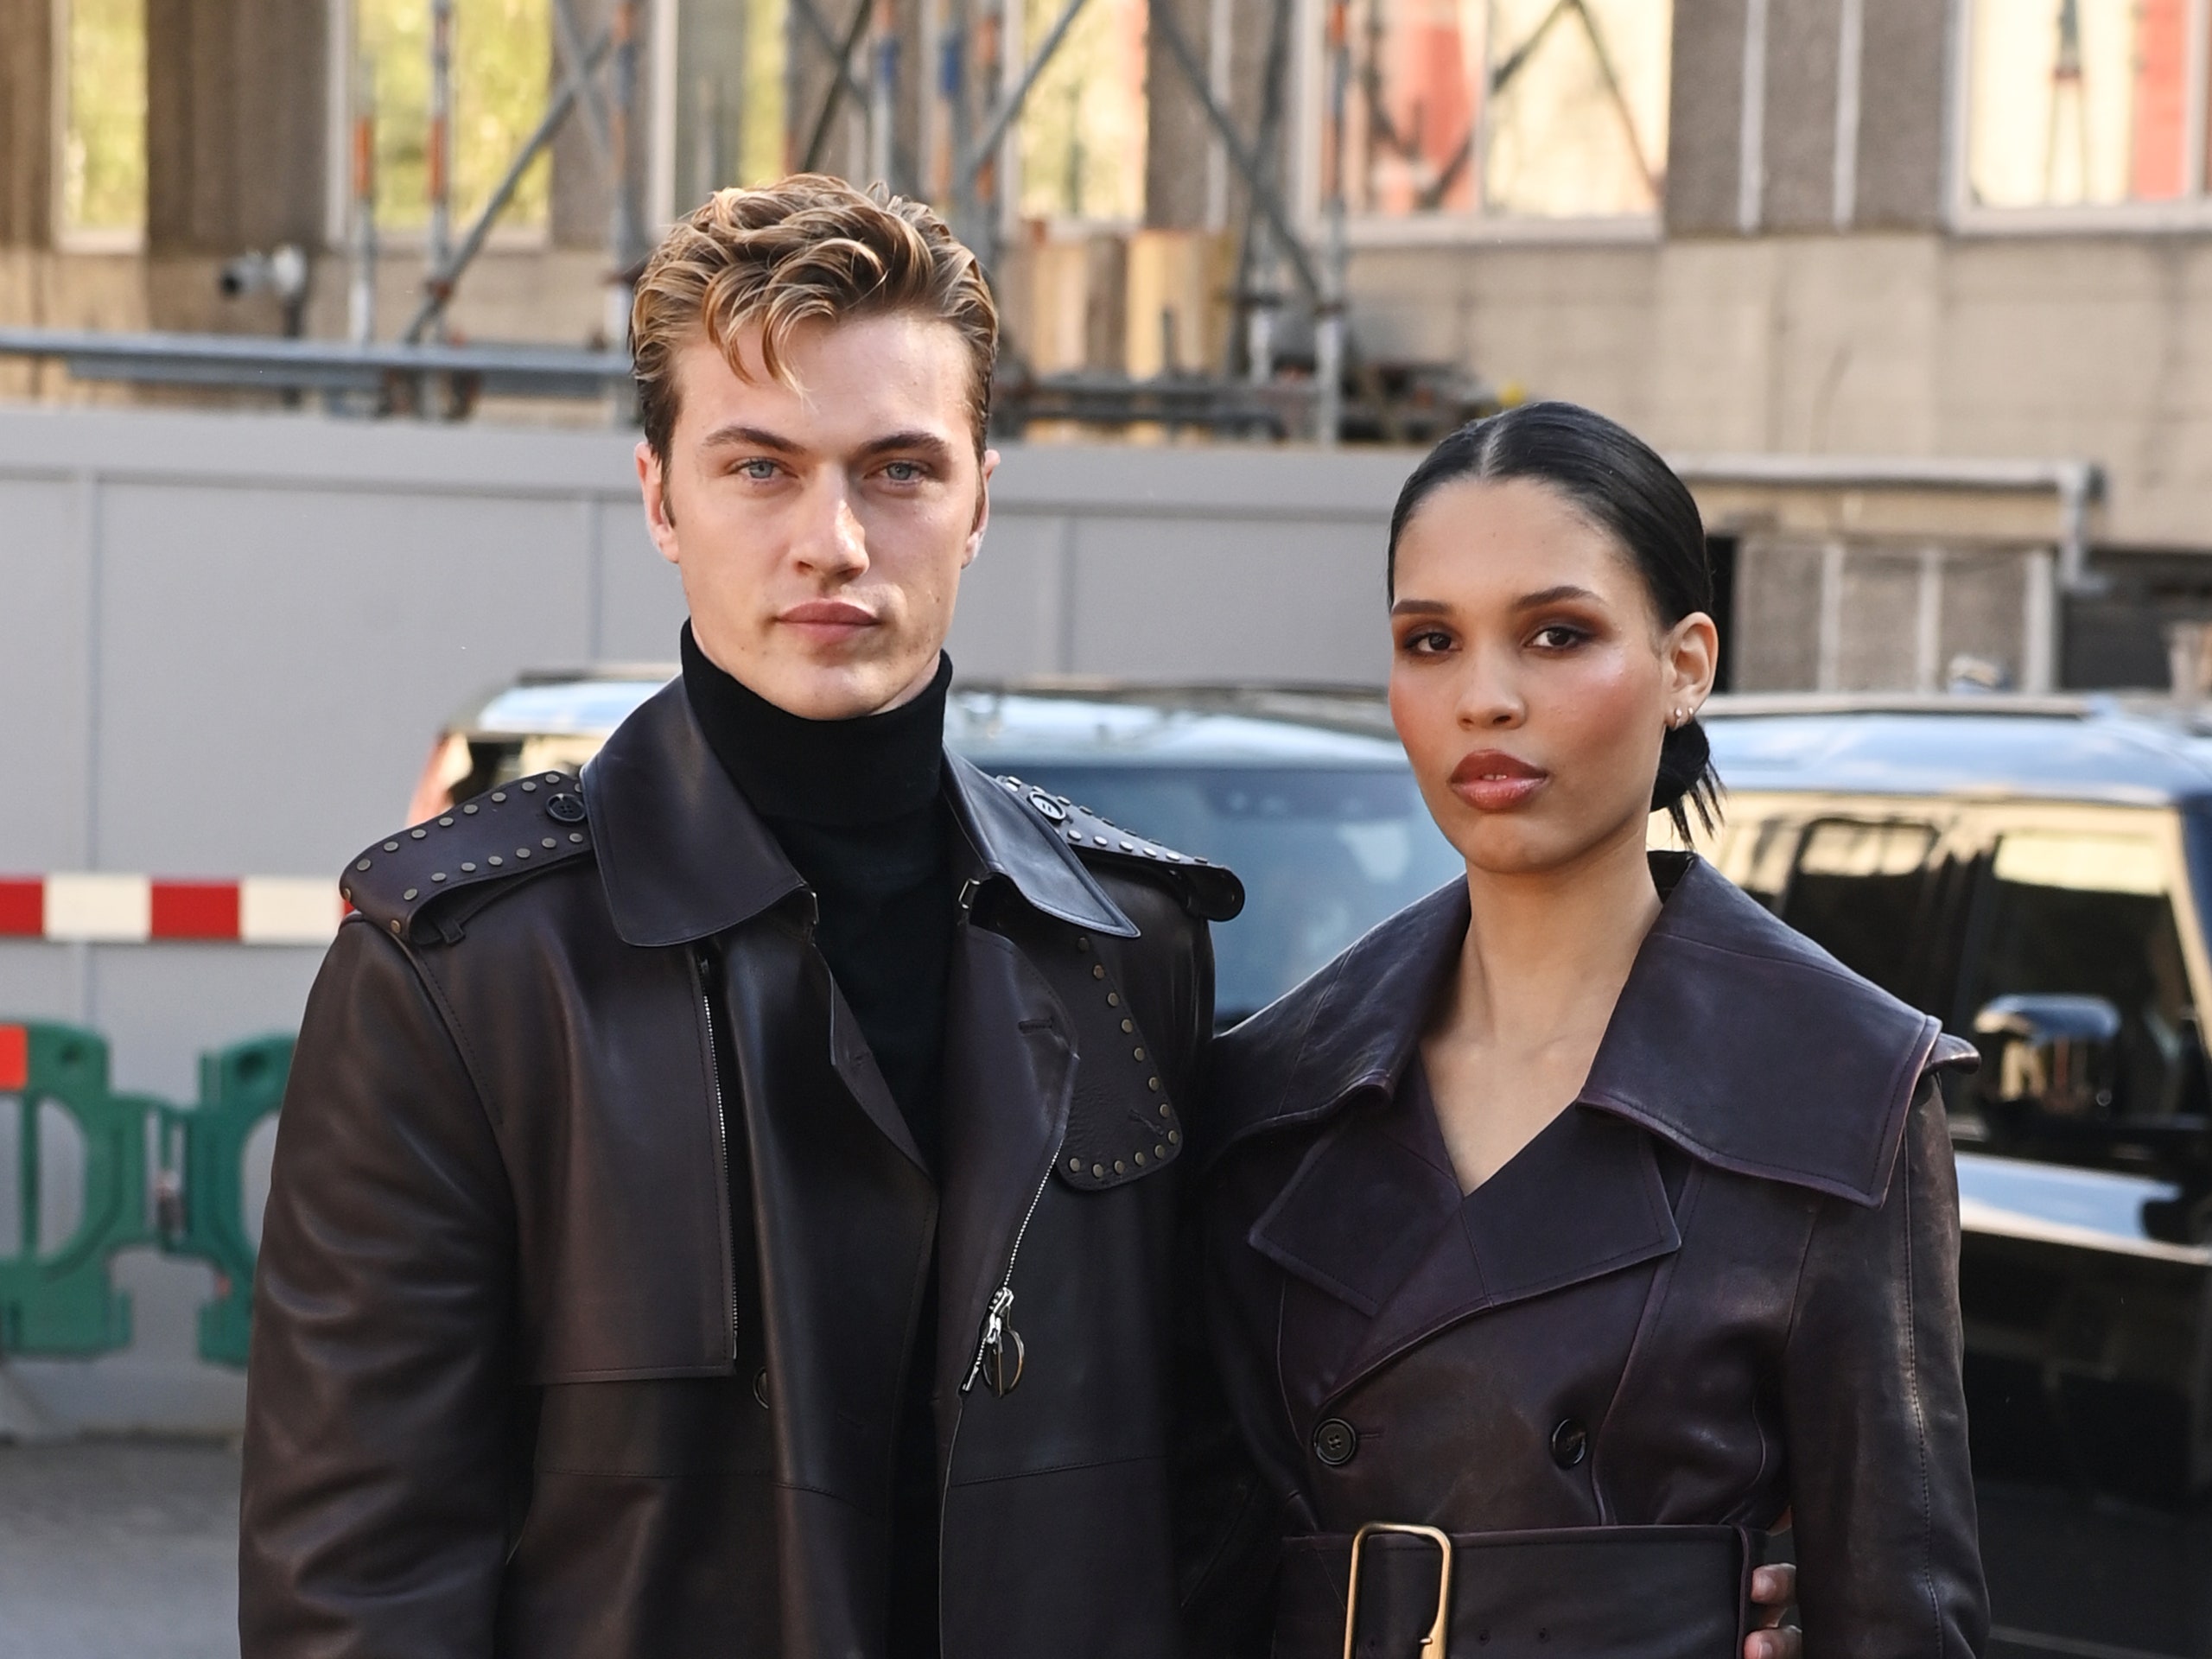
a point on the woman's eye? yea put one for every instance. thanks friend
(1559, 636)
(1427, 643)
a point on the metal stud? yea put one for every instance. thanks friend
(498, 794)
(391, 846)
(1083, 942)
(346, 893)
(1128, 846)
(1165, 1111)
(362, 865)
(395, 924)
(1098, 970)
(1139, 1158)
(1128, 1025)
(1152, 1083)
(1121, 1168)
(1113, 999)
(521, 852)
(437, 875)
(468, 869)
(552, 777)
(471, 808)
(418, 834)
(1159, 1152)
(495, 861)
(409, 894)
(1101, 839)
(445, 823)
(528, 787)
(576, 836)
(1172, 1138)
(1139, 1053)
(1076, 1164)
(549, 843)
(1076, 835)
(1099, 1170)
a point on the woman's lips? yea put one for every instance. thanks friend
(1490, 780)
(827, 620)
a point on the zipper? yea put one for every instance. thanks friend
(721, 1143)
(995, 1322)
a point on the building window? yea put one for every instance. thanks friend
(102, 193)
(502, 58)
(1501, 108)
(2084, 102)
(1083, 129)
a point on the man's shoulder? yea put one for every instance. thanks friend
(1126, 862)
(461, 858)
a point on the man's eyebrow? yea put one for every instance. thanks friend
(924, 442)
(757, 437)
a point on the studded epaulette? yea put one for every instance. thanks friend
(1209, 892)
(507, 832)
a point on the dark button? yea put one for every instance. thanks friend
(1570, 1442)
(570, 809)
(1335, 1442)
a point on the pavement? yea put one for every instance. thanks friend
(118, 1549)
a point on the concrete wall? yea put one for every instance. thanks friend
(226, 642)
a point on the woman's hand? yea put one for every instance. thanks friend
(1773, 1588)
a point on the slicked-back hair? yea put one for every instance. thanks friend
(806, 249)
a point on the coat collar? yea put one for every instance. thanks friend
(683, 856)
(1735, 1037)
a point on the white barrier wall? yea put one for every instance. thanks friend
(227, 642)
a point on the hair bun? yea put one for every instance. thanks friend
(1687, 782)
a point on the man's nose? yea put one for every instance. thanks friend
(833, 543)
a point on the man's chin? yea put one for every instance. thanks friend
(847, 692)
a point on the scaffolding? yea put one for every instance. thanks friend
(977, 96)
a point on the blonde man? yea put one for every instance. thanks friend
(724, 1202)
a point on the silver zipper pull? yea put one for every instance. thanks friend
(1000, 1355)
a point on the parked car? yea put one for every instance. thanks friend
(2034, 872)
(1303, 792)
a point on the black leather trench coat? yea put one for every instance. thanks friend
(596, 1241)
(1719, 1287)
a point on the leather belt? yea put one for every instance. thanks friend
(1582, 1592)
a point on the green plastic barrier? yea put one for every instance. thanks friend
(63, 1302)
(203, 1188)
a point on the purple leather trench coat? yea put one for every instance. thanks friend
(1718, 1290)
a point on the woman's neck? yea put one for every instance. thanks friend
(1546, 954)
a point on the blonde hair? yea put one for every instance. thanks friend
(806, 249)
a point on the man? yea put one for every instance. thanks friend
(726, 1203)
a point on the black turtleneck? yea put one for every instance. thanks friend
(857, 805)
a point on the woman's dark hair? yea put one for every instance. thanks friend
(1618, 482)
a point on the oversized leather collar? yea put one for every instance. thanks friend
(683, 856)
(1736, 1038)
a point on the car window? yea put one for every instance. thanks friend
(1324, 853)
(2092, 914)
(1857, 890)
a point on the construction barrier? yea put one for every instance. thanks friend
(153, 1174)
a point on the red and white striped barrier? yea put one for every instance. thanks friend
(104, 909)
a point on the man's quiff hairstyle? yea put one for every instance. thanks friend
(806, 249)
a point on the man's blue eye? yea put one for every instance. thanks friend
(762, 471)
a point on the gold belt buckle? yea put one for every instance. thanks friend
(1433, 1644)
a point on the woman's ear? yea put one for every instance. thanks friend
(1692, 650)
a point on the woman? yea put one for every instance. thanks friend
(1582, 1221)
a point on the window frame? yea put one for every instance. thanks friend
(2192, 212)
(1309, 72)
(505, 237)
(67, 238)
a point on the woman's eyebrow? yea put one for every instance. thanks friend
(1551, 596)
(1419, 607)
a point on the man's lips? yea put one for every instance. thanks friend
(1490, 780)
(828, 618)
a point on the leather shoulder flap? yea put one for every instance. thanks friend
(410, 882)
(1208, 890)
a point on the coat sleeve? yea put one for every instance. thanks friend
(1889, 1561)
(379, 1389)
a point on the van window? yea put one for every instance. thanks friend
(2091, 914)
(1857, 890)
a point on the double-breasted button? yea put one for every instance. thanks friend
(1335, 1442)
(1570, 1442)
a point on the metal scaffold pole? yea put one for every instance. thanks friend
(438, 158)
(361, 287)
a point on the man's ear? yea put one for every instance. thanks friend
(652, 484)
(983, 520)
